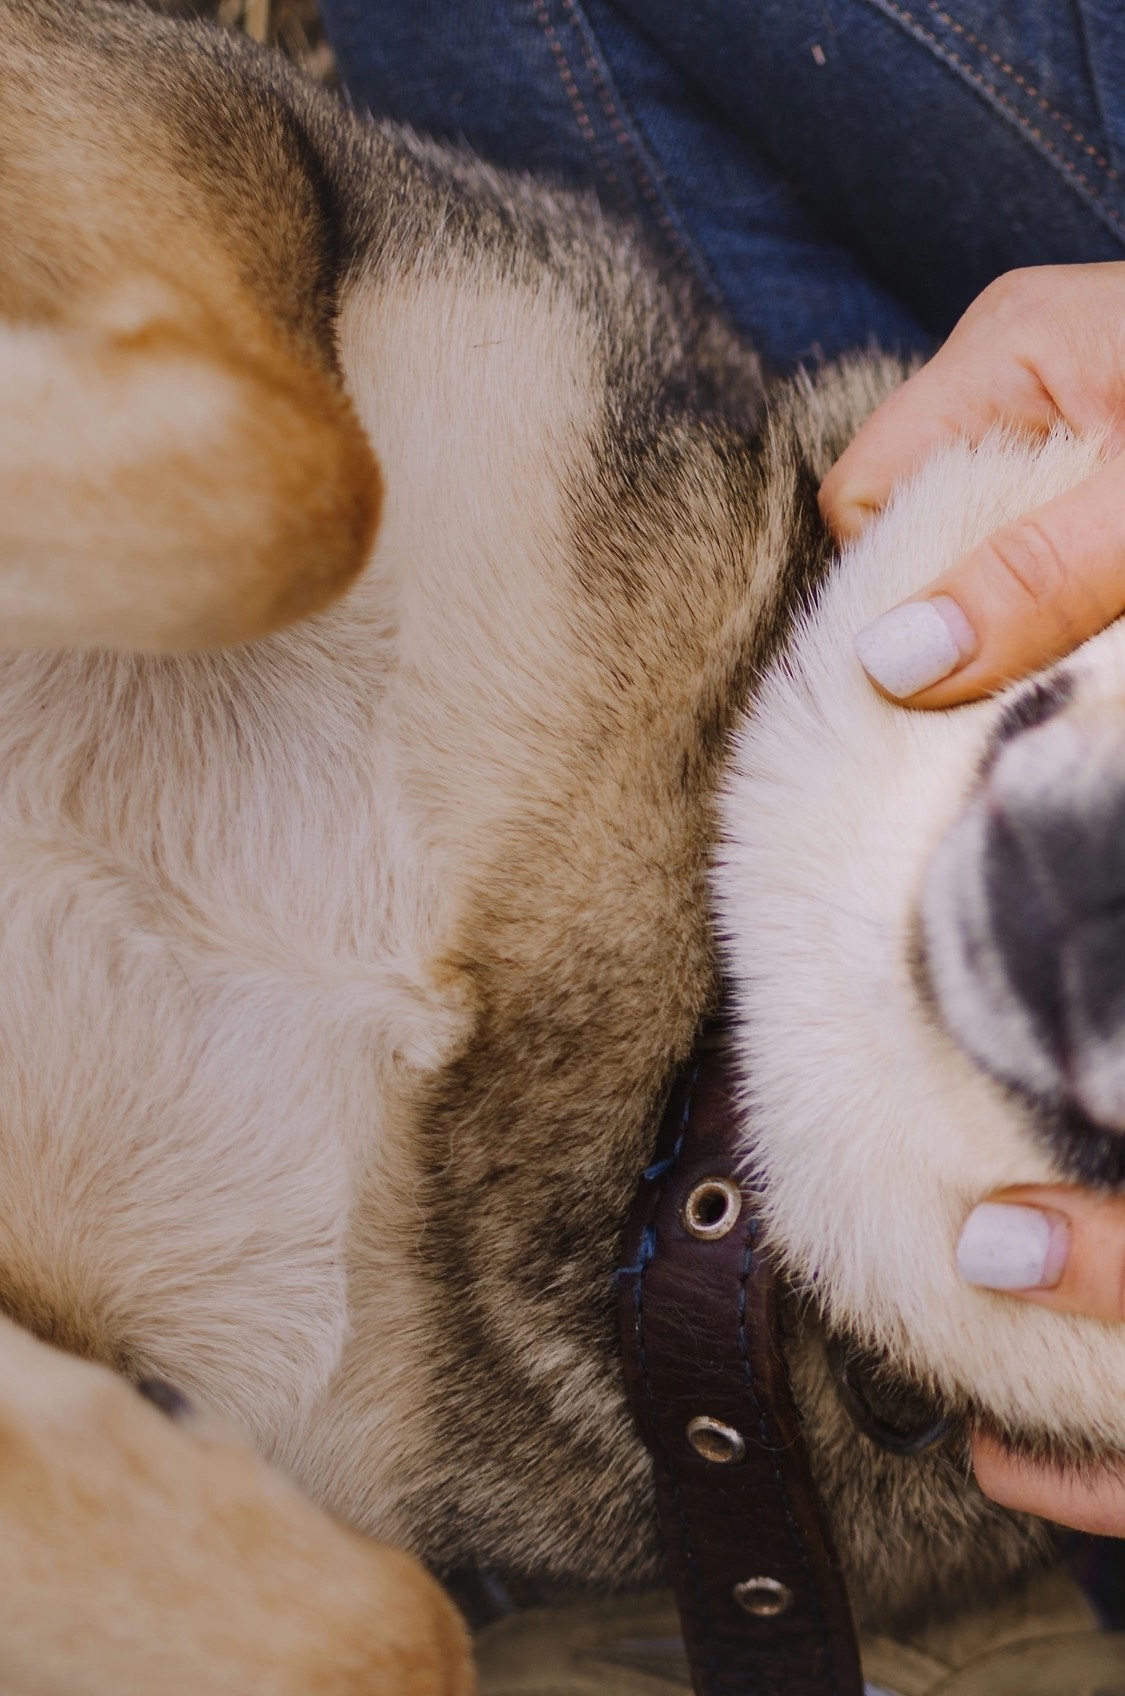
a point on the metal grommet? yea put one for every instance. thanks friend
(715, 1441)
(712, 1208)
(765, 1598)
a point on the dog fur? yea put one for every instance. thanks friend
(343, 971)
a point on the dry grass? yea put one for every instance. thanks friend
(292, 25)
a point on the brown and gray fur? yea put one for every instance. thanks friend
(178, 209)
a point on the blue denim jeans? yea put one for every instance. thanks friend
(837, 171)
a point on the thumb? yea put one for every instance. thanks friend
(1030, 593)
(1089, 1500)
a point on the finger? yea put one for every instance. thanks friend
(1037, 345)
(1030, 593)
(1061, 1248)
(1092, 1502)
(955, 395)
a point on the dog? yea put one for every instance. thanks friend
(345, 967)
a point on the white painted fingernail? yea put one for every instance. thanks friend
(1005, 1247)
(915, 645)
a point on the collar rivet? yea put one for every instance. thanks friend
(712, 1209)
(714, 1441)
(765, 1598)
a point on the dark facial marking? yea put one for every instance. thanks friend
(170, 1401)
(892, 1412)
(1031, 708)
(1088, 1153)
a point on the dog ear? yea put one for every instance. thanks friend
(171, 478)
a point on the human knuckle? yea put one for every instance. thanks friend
(1031, 565)
(990, 307)
(1018, 291)
(1111, 351)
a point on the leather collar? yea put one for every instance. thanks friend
(757, 1581)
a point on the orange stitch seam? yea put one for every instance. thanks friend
(1028, 87)
(1018, 118)
(573, 93)
(648, 189)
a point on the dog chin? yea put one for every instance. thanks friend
(882, 1101)
(906, 1415)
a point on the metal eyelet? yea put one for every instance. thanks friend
(765, 1598)
(712, 1208)
(712, 1440)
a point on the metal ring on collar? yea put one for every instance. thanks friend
(721, 1444)
(712, 1208)
(765, 1598)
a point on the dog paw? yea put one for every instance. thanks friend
(142, 1548)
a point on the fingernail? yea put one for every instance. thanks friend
(915, 645)
(1004, 1247)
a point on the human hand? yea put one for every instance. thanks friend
(1037, 346)
(1063, 1249)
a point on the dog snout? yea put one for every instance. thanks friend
(1055, 895)
(1023, 921)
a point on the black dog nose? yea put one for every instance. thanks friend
(1055, 889)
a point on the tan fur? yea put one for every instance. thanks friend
(137, 1557)
(343, 973)
(178, 465)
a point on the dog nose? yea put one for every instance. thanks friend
(1022, 933)
(1055, 894)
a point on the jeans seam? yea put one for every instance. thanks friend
(1027, 88)
(574, 94)
(648, 190)
(971, 75)
(640, 173)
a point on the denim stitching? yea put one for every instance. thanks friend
(957, 62)
(643, 178)
(1028, 88)
(779, 1477)
(566, 76)
(649, 1244)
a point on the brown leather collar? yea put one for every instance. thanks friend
(758, 1585)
